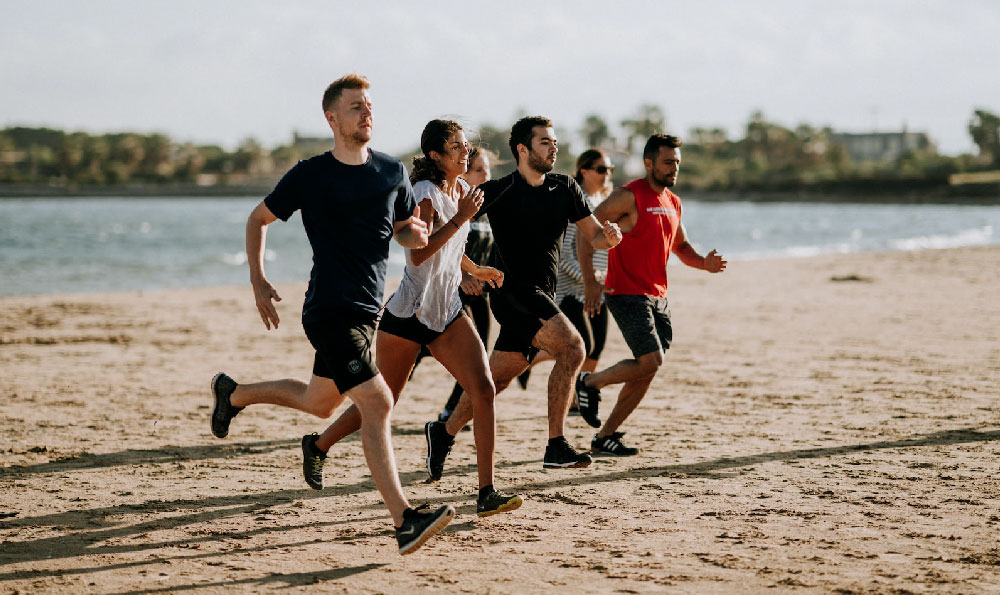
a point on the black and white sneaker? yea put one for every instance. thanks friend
(439, 443)
(588, 400)
(560, 455)
(312, 461)
(612, 445)
(419, 526)
(495, 503)
(223, 412)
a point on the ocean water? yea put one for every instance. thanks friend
(75, 245)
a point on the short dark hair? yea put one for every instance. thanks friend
(433, 138)
(659, 140)
(521, 132)
(348, 81)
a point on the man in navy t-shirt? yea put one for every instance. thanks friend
(353, 200)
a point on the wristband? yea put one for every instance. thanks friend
(457, 226)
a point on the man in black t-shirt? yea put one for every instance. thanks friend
(353, 200)
(529, 211)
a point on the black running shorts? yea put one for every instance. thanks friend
(521, 312)
(412, 329)
(343, 348)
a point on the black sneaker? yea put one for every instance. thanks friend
(419, 526)
(223, 412)
(560, 454)
(588, 400)
(612, 445)
(522, 379)
(495, 503)
(439, 443)
(312, 461)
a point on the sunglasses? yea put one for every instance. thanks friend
(604, 169)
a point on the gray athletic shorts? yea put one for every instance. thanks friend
(644, 321)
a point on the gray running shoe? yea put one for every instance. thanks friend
(419, 526)
(312, 462)
(495, 503)
(612, 445)
(439, 443)
(560, 455)
(223, 412)
(589, 399)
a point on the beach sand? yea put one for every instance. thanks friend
(828, 424)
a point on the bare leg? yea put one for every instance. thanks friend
(558, 337)
(629, 397)
(461, 352)
(589, 365)
(374, 402)
(394, 357)
(627, 370)
(320, 397)
(504, 367)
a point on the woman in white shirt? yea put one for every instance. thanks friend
(426, 309)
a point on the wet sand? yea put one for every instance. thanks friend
(821, 425)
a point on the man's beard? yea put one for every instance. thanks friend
(357, 136)
(665, 181)
(538, 164)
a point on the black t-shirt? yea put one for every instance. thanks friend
(348, 212)
(528, 225)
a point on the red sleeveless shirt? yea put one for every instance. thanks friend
(638, 265)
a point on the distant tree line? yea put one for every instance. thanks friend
(768, 156)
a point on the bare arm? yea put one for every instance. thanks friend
(411, 233)
(263, 291)
(484, 274)
(468, 205)
(712, 262)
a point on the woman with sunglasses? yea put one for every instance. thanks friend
(593, 173)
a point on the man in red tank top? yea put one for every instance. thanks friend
(649, 216)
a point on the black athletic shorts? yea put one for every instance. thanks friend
(343, 348)
(643, 320)
(411, 329)
(521, 313)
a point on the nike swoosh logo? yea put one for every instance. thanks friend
(552, 188)
(410, 532)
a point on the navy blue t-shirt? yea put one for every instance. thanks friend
(528, 225)
(348, 212)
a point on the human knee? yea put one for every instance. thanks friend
(482, 390)
(374, 405)
(650, 363)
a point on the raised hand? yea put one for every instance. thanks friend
(417, 229)
(489, 275)
(469, 203)
(263, 293)
(714, 262)
(592, 292)
(612, 232)
(470, 285)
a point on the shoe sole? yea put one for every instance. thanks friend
(576, 465)
(512, 504)
(427, 461)
(605, 453)
(215, 407)
(428, 532)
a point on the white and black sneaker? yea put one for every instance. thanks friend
(560, 455)
(419, 526)
(612, 445)
(588, 400)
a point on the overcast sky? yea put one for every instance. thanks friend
(217, 72)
